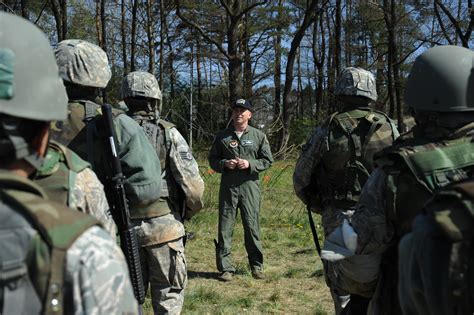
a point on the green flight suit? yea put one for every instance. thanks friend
(240, 189)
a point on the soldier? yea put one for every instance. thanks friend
(336, 162)
(85, 72)
(436, 269)
(162, 237)
(240, 153)
(69, 180)
(436, 152)
(54, 259)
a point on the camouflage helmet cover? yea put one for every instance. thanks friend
(442, 80)
(356, 82)
(83, 63)
(140, 84)
(29, 89)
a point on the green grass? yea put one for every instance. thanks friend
(294, 281)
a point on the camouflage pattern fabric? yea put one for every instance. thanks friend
(162, 253)
(436, 271)
(185, 171)
(390, 200)
(329, 174)
(65, 173)
(97, 277)
(140, 84)
(163, 261)
(66, 131)
(88, 196)
(82, 63)
(357, 82)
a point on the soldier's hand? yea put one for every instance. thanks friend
(230, 164)
(242, 164)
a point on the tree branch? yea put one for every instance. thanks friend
(200, 30)
(452, 19)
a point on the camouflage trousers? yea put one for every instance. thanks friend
(163, 263)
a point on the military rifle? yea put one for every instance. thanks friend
(118, 202)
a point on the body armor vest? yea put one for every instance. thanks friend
(57, 175)
(34, 239)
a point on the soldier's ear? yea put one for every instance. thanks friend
(41, 140)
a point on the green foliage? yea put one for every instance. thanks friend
(300, 129)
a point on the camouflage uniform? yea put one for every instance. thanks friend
(436, 271)
(161, 237)
(67, 179)
(54, 259)
(82, 64)
(335, 163)
(436, 152)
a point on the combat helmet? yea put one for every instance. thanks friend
(356, 82)
(442, 80)
(83, 63)
(140, 84)
(28, 89)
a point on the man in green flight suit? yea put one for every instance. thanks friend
(240, 153)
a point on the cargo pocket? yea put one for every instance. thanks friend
(178, 270)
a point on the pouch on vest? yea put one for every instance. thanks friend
(453, 211)
(34, 238)
(353, 138)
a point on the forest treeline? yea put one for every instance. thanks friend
(282, 55)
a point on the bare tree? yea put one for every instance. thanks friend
(288, 107)
(234, 13)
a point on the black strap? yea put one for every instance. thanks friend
(313, 230)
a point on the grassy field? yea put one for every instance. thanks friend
(294, 281)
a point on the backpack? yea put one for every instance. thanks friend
(35, 235)
(452, 209)
(352, 139)
(158, 133)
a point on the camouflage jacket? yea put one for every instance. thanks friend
(180, 171)
(436, 270)
(95, 278)
(337, 158)
(68, 179)
(390, 200)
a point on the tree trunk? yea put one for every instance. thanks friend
(150, 36)
(235, 59)
(288, 107)
(247, 78)
(277, 73)
(24, 9)
(63, 9)
(57, 19)
(133, 43)
(123, 33)
(337, 38)
(162, 41)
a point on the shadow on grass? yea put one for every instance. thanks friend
(202, 275)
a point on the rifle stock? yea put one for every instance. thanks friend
(119, 206)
